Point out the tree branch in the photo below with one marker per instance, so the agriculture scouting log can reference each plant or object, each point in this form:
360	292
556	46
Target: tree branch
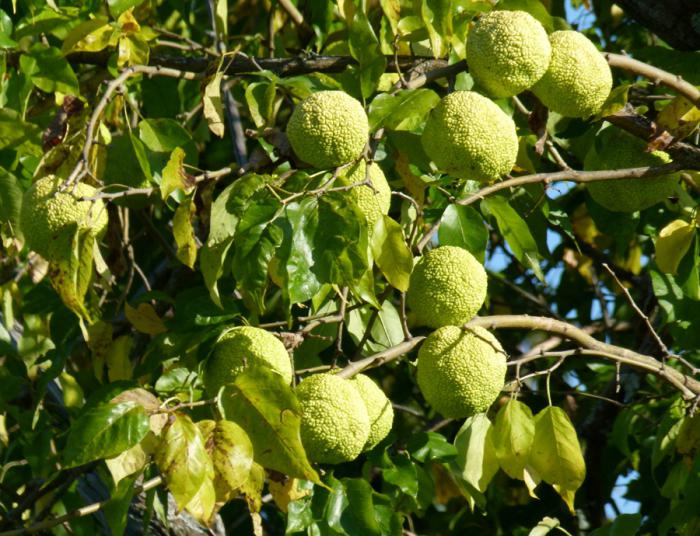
689	387
569	175
659	76
80	512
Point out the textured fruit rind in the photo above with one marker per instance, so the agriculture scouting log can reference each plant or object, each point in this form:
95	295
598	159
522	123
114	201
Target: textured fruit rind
47	215
379	410
242	346
447	287
507	52
470	137
328	129
578	80
373	201
616	150
461	372
334	420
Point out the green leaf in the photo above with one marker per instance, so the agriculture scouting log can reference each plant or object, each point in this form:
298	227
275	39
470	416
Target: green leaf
71	277
297	252
91	35
232	454
672	244
546	526
105	431
174	176
184	232
49	70
513	433
463	227
267	409
225	213
616	101
534	7
341	250
10	199
623	525
404	110
359	516
213	109
476	456
255	243
437	16
556	454
117	7
260	97
15	132
515	231
391	254
117	507
187	467
364	47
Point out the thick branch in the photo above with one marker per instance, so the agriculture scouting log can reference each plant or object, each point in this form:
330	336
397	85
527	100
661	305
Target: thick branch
654	74
572	175
689	387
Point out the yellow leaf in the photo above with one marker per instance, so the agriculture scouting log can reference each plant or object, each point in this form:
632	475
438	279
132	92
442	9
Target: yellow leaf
285	492
184	233
72	392
213	110
145	319
680	117
672	244
118	362
174	176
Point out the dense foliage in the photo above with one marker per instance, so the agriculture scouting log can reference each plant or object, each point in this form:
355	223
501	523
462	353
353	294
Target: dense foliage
159	127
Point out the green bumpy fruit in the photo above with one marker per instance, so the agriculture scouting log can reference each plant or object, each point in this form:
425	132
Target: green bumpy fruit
578	80
328	129
616	149
334	420
373	201
470	137
447	287
47	216
461	372
239	347
507	52
379	409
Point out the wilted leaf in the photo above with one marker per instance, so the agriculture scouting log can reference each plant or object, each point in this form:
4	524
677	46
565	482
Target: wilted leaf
188	469
232	454
267	409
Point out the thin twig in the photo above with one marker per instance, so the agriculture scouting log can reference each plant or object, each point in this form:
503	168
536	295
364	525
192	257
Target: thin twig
80	512
570	175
